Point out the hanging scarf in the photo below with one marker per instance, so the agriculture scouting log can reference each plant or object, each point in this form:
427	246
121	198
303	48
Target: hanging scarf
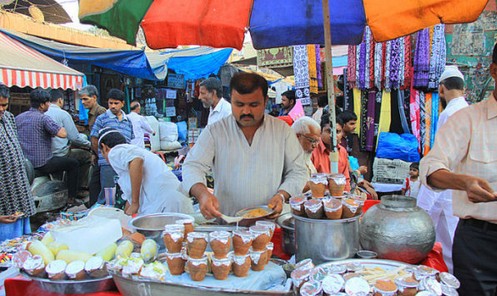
402	113
435	101
377	116
438	56
395	64
361	77
371	59
364	119
388	54
414	110
422	59
428	123
318	66
406	78
357	109
385	113
351	66
422	121
378	65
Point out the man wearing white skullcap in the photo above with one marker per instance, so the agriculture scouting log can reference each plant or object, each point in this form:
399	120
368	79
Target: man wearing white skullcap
439	204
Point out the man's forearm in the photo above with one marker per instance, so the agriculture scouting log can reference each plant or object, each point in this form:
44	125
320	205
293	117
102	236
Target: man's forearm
444	179
136	175
198	190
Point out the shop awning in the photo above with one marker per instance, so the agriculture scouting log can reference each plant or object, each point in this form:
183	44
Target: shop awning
22	66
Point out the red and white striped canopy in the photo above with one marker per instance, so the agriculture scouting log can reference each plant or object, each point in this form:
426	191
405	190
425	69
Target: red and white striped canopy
22	66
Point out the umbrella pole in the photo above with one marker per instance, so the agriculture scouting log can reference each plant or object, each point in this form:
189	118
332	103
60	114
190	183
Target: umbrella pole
330	82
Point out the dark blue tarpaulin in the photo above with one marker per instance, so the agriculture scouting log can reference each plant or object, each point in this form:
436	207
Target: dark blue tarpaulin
129	62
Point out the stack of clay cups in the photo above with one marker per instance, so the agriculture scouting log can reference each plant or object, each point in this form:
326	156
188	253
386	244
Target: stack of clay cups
220	242
196	243
318	185
173	237
258	252
297	205
242	241
188	225
271	226
336	184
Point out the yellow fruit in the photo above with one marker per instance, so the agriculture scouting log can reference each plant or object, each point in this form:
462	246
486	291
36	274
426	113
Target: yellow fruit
108	253
38	248
48	238
56	247
124	249
149	250
70	256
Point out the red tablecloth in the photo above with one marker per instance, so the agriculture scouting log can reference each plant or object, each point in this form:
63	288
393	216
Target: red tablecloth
23	287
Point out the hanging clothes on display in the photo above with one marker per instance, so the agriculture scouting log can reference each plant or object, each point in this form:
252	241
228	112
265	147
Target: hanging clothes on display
428	123
435	106
422	59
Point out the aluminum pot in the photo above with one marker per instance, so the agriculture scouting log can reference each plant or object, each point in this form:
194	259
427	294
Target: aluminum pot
397	229
152	225
287	224
325	240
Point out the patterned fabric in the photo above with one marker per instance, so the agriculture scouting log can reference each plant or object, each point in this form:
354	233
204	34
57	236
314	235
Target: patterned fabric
407	63
313	73
428	124
388	54
351	66
435	102
15	191
318	66
377	113
395	64
422	120
378	65
370	126
414	113
301	71
108	119
438	56
35	131
422	59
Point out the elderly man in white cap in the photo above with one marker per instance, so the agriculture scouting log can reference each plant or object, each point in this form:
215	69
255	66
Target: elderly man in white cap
439	204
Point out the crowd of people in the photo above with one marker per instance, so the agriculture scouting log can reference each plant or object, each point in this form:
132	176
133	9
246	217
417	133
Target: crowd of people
255	159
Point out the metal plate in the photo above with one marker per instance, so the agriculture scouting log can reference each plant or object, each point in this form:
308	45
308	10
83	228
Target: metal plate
75	287
243	212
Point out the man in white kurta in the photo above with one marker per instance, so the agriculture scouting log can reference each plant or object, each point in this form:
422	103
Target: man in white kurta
439	204
140	125
158	190
256	159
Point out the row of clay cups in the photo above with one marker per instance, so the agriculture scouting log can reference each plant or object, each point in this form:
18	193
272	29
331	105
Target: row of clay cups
257	237
332	208
220	267
320	182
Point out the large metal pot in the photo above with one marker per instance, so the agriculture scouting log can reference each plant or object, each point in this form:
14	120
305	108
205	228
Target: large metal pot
152	225
326	240
287	224
397	229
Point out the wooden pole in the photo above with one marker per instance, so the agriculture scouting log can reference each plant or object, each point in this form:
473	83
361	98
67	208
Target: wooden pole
331	85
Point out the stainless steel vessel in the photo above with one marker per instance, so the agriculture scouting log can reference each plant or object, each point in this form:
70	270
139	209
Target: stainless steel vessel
325	240
397	229
287	224
75	287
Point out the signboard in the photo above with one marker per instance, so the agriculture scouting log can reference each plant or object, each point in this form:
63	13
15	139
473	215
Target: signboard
278	57
171	94
170	111
176	81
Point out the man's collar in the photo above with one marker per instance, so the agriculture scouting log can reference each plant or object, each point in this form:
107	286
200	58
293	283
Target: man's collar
52	105
322	147
491	107
218	106
112	115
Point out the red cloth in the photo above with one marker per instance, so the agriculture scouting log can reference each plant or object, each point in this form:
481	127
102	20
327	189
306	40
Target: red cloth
20	286
278	247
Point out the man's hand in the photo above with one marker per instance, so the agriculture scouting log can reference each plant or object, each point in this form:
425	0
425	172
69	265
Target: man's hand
479	190
209	205
276	203
369	188
363	170
131	209
8	219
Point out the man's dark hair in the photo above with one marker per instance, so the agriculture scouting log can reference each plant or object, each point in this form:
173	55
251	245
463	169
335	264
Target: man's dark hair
55	94
134	104
290	94
246	83
38	96
325	119
453	83
414	165
213	84
4	91
116	94
494	55
89	90
322	101
347	116
110	137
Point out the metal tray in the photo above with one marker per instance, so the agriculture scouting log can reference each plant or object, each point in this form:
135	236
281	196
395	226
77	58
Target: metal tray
74	287
133	287
383	263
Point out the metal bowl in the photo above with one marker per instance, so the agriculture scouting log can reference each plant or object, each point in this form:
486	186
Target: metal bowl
152	225
75	287
287	224
251	221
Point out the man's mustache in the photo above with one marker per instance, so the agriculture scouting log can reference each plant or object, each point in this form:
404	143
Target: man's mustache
247	115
